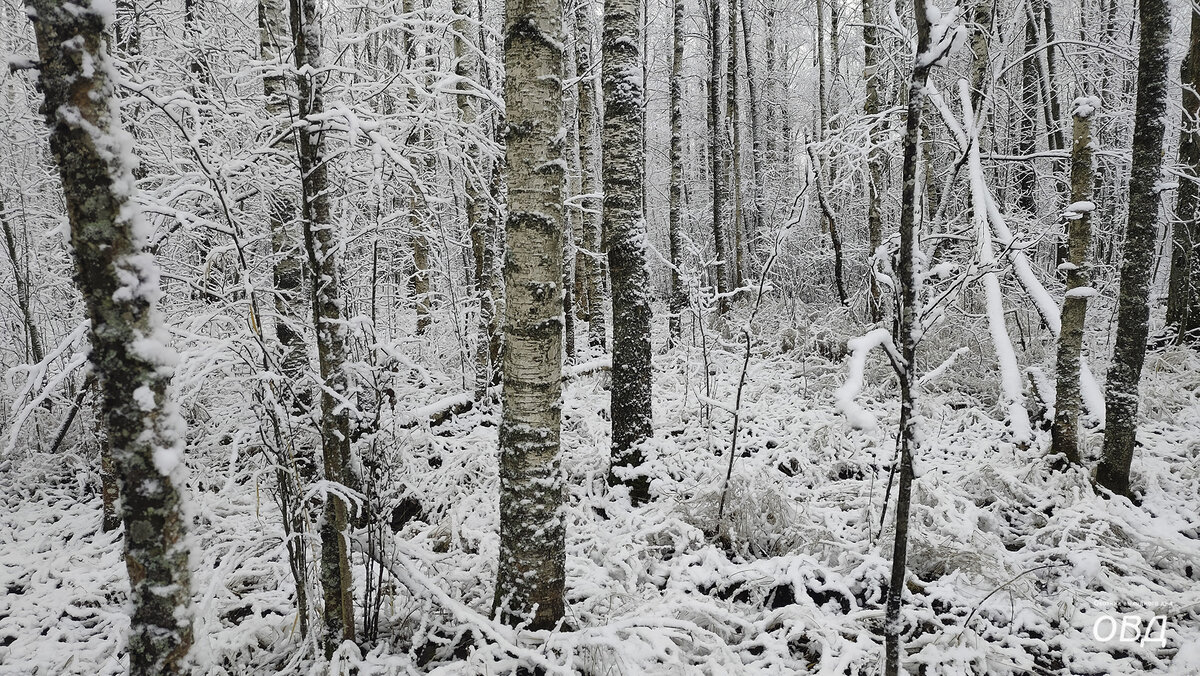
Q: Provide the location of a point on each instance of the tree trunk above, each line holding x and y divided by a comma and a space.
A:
1027, 127
625, 223
1065, 430
592, 264
678, 298
753, 216
571, 208
982, 17
23, 293
1133, 306
467, 68
130, 355
733, 124
530, 577
908, 326
320, 245
1183, 300
716, 150
298, 463
876, 162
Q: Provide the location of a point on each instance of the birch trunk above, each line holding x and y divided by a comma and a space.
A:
288, 274
321, 247
591, 263
1133, 307
733, 125
875, 159
1065, 430
466, 68
130, 355
716, 150
530, 577
753, 216
678, 297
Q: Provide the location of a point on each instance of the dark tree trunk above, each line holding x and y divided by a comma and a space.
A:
908, 330
678, 298
130, 356
625, 223
1133, 306
1183, 299
717, 152
320, 244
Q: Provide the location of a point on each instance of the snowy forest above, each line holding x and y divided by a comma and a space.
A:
555, 337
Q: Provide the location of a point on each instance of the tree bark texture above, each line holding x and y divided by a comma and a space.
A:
625, 223
130, 353
908, 328
1183, 299
530, 577
320, 244
717, 151
876, 162
1133, 307
590, 263
1064, 431
678, 295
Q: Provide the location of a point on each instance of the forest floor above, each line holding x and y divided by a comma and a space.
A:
1014, 566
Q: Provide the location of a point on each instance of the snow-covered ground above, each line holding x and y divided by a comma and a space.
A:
1016, 569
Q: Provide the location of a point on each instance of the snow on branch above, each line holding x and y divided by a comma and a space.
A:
858, 417
1010, 371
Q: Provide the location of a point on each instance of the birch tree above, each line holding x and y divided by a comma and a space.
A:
717, 155
678, 295
591, 262
119, 281
1065, 428
1133, 306
320, 245
530, 576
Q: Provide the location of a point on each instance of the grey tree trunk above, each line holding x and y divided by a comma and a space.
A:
876, 162
320, 244
530, 577
1064, 431
981, 35
1133, 306
678, 298
119, 283
573, 190
908, 328
23, 294
625, 223
733, 124
716, 151
1027, 139
298, 464
467, 68
1183, 299
753, 216
591, 265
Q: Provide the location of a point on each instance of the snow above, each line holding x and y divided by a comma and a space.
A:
844, 397
1010, 373
144, 397
646, 587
